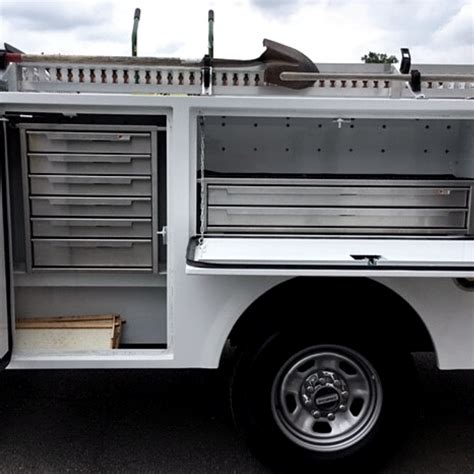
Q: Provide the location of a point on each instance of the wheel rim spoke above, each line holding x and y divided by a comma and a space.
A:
292, 382
343, 423
303, 420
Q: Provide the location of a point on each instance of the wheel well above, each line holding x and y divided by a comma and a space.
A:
360, 306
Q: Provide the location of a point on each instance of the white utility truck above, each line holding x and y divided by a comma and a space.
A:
318, 219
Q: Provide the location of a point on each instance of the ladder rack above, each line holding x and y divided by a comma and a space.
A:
173, 76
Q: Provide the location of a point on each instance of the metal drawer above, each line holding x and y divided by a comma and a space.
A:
258, 217
88, 142
337, 196
92, 228
49, 163
90, 206
90, 185
92, 253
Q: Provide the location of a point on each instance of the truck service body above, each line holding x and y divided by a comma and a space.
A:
239, 209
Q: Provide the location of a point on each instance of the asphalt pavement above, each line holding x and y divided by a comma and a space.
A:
178, 422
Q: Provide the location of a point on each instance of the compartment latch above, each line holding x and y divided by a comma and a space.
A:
371, 260
164, 234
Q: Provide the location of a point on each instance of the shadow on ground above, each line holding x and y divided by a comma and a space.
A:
178, 422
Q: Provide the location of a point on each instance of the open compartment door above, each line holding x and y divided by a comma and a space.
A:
318, 256
4, 312
4, 264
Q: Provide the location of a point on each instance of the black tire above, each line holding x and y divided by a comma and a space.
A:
257, 383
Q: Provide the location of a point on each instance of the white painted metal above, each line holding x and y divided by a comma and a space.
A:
448, 313
203, 308
288, 106
297, 252
4, 316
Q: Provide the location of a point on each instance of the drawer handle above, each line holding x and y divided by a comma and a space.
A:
91, 137
85, 202
81, 180
265, 191
90, 224
93, 244
88, 159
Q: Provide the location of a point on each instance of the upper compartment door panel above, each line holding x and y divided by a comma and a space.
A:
341, 256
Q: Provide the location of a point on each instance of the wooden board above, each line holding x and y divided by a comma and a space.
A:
68, 333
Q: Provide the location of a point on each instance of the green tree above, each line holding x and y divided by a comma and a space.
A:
379, 58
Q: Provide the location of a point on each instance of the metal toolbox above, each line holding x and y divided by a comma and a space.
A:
92, 164
76, 141
90, 185
92, 228
219, 195
90, 206
338, 206
91, 196
250, 218
92, 253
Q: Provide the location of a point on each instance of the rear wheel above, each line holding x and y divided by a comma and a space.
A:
301, 404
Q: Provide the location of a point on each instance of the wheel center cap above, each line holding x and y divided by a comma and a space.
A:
327, 398
324, 393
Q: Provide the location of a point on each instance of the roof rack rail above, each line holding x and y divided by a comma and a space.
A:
280, 70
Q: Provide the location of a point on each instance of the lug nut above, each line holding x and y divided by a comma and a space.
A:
345, 394
316, 414
322, 381
309, 388
331, 416
342, 408
337, 383
306, 399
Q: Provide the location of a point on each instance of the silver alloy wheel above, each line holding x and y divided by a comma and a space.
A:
326, 398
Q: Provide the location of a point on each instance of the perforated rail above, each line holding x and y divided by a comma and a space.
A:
181, 77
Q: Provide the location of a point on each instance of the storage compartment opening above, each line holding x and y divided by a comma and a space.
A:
88, 198
88, 192
74, 319
387, 177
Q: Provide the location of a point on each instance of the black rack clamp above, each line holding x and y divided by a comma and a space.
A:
415, 81
405, 63
207, 74
415, 75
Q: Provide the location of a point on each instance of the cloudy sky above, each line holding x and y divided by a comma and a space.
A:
436, 31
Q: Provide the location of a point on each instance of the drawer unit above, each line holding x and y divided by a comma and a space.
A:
92, 164
338, 206
90, 185
90, 206
65, 141
92, 228
91, 196
72, 253
219, 195
259, 217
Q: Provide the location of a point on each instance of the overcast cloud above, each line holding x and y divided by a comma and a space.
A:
436, 31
